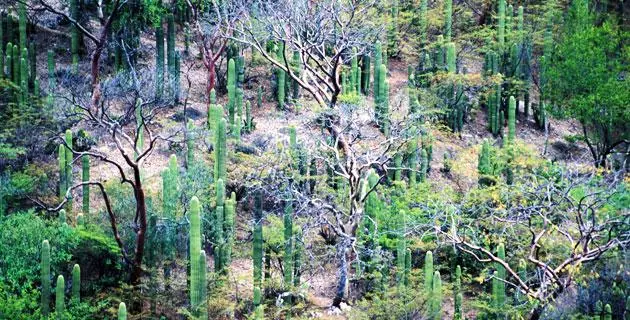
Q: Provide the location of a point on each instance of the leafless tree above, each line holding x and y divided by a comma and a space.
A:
350, 147
322, 33
100, 39
568, 213
208, 26
128, 121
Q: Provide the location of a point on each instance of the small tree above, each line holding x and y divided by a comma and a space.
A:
585, 81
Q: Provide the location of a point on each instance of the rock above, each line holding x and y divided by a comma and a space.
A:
334, 311
345, 307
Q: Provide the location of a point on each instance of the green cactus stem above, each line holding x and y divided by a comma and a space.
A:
85, 177
220, 151
45, 278
76, 283
195, 248
122, 311
257, 254
60, 303
428, 274
448, 19
436, 299
512, 120
219, 227
159, 65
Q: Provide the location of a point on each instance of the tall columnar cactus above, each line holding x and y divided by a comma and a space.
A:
218, 227
195, 248
60, 301
228, 226
203, 286
231, 89
22, 24
457, 290
288, 245
368, 237
239, 102
45, 278
436, 297
288, 252
258, 307
378, 61
63, 186
215, 113
498, 284
176, 77
258, 240
259, 97
170, 45
354, 71
63, 219
122, 311
448, 19
281, 87
74, 41
52, 82
76, 283
428, 275
297, 257
501, 24
383, 103
400, 260
424, 165
407, 267
16, 64
85, 177
512, 120
440, 55
220, 151
297, 70
24, 78
365, 74
451, 58
607, 312
423, 22
69, 156
159, 63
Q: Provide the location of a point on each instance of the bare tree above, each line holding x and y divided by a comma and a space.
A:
322, 33
208, 27
99, 39
349, 149
566, 213
128, 121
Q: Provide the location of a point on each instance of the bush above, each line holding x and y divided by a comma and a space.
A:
20, 242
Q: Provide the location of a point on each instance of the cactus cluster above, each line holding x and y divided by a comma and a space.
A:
368, 239
197, 260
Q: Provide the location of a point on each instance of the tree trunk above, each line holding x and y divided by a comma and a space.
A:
342, 284
141, 213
